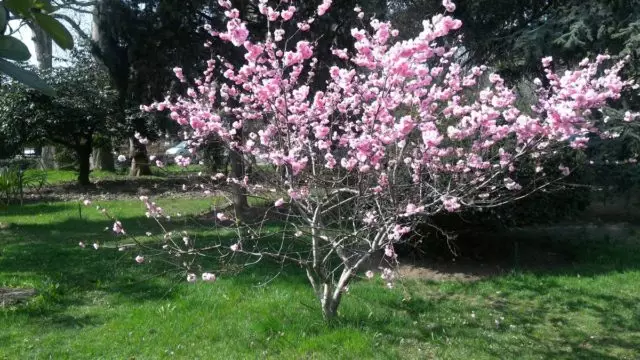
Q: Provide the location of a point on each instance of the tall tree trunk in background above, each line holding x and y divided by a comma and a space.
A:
43, 46
103, 159
83, 152
108, 50
238, 193
48, 158
139, 158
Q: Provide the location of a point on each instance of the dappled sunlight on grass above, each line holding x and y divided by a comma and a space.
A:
88, 300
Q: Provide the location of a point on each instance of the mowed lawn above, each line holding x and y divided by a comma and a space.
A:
100, 304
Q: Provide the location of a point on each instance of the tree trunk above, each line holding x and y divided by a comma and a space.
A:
43, 47
139, 159
84, 160
103, 159
238, 193
48, 158
329, 302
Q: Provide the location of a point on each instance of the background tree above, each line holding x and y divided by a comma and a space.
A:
39, 14
81, 110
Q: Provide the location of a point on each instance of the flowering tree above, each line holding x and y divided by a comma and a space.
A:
401, 133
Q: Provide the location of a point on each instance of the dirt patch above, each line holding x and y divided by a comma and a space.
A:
449, 272
11, 296
124, 189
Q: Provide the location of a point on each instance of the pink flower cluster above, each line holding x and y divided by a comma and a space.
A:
398, 107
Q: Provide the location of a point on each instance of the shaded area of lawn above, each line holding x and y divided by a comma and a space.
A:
101, 304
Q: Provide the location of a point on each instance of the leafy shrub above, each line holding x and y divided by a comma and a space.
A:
14, 180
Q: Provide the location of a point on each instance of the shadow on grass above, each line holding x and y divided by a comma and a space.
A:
73, 276
32, 209
66, 275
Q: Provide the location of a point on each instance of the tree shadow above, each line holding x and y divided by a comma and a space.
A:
570, 249
564, 338
32, 209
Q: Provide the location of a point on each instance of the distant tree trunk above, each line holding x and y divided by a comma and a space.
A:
48, 158
238, 193
103, 159
139, 159
43, 46
84, 160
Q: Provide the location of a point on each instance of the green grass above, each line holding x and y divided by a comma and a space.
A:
101, 305
56, 177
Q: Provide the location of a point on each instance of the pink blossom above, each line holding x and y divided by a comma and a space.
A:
564, 170
288, 14
139, 259
279, 202
303, 26
81, 244
237, 32
369, 274
122, 158
86, 202
96, 246
225, 4
191, 278
450, 203
183, 161
511, 185
208, 277
117, 228
322, 8
222, 217
235, 247
178, 72
449, 5
159, 164
413, 209
389, 252
546, 61
387, 274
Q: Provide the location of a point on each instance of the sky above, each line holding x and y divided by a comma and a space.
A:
25, 35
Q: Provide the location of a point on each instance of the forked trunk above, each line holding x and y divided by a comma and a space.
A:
330, 302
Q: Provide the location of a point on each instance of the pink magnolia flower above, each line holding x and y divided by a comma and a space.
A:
139, 259
546, 61
159, 164
235, 247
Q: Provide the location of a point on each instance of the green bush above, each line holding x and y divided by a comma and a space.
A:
14, 180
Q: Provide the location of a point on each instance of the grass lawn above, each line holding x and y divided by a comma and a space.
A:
102, 305
55, 177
